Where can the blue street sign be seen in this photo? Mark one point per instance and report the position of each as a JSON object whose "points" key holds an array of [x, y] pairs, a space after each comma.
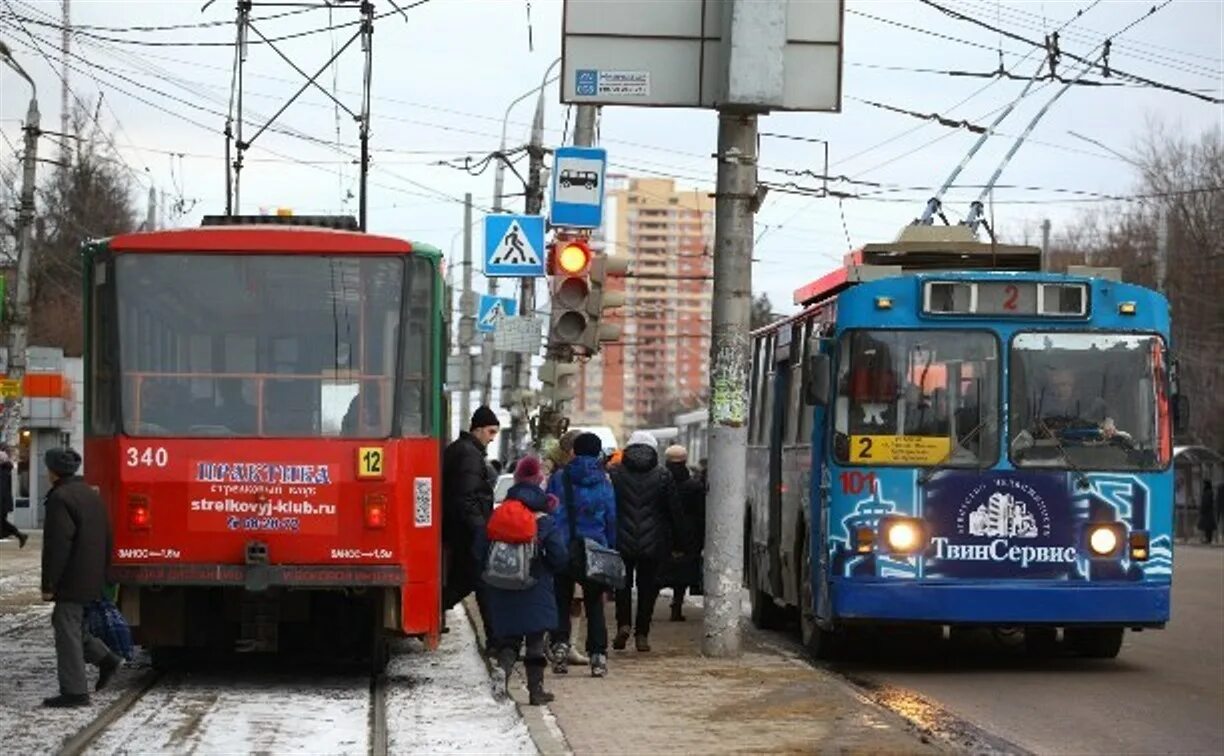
{"points": [[492, 309], [578, 187], [514, 246], [586, 82]]}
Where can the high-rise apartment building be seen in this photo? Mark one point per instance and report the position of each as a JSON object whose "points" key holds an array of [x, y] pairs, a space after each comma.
{"points": [[660, 366]]}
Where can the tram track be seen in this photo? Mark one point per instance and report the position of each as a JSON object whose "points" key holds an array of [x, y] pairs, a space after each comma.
{"points": [[79, 742], [378, 715]]}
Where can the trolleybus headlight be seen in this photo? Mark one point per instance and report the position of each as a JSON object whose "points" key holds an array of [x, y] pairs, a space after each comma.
{"points": [[904, 535], [1103, 540], [1139, 547]]}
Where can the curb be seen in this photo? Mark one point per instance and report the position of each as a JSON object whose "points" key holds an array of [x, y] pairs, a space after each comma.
{"points": [[542, 726]]}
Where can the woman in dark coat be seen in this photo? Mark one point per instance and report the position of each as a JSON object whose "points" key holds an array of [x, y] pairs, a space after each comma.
{"points": [[683, 571], [527, 615], [1207, 513]]}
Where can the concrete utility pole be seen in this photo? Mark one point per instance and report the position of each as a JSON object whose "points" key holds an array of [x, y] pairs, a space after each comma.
{"points": [[151, 213], [19, 322], [1163, 223], [1045, 244], [467, 323], [735, 202]]}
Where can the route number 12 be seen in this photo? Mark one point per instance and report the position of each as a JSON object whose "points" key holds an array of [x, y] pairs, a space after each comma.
{"points": [[371, 462]]}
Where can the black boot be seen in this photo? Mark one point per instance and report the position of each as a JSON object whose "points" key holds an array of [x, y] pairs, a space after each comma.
{"points": [[676, 613], [535, 683], [506, 657]]}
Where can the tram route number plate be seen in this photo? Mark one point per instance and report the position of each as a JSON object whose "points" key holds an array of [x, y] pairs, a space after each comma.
{"points": [[371, 462], [899, 450]]}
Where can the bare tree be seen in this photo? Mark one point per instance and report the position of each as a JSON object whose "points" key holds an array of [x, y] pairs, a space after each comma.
{"points": [[89, 198]]}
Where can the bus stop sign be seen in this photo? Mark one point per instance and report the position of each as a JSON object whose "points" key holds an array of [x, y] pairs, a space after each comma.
{"points": [[578, 187]]}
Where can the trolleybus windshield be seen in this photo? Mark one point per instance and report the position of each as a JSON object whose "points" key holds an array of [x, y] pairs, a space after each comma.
{"points": [[1087, 401], [917, 398], [271, 346]]}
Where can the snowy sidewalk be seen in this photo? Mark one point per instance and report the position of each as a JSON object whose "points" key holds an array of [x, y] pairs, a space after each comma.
{"points": [[674, 700], [437, 703]]}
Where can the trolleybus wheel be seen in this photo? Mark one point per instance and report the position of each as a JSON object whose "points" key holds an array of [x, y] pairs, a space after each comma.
{"points": [[1095, 642], [766, 615], [820, 642]]}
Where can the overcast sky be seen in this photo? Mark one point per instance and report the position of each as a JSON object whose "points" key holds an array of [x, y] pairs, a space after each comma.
{"points": [[444, 77]]}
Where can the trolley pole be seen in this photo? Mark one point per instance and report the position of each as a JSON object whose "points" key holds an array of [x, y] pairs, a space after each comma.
{"points": [[19, 323], [735, 202]]}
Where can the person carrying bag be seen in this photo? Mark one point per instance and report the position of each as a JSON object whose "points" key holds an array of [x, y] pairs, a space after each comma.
{"points": [[588, 514]]}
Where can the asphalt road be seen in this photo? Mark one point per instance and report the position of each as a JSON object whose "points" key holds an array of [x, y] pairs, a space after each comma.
{"points": [[1163, 694]]}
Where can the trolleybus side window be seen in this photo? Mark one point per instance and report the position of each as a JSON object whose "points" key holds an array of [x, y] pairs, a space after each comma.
{"points": [[811, 345], [754, 400], [917, 398], [794, 404], [1088, 401]]}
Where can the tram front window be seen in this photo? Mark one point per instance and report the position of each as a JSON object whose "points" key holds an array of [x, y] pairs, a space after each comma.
{"points": [[266, 346], [1086, 400], [917, 398]]}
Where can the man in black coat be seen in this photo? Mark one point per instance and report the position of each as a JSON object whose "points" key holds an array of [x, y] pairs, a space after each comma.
{"points": [[467, 502], [646, 521], [75, 556]]}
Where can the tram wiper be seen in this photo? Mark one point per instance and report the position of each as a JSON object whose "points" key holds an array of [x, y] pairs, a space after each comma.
{"points": [[1080, 478], [943, 463]]}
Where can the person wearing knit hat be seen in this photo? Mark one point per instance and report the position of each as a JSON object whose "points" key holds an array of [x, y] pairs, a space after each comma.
{"points": [[468, 484], [646, 513], [683, 569], [588, 510], [76, 551], [523, 617]]}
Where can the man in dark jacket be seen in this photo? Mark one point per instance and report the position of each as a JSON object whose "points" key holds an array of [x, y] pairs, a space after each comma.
{"points": [[75, 556], [467, 502], [6, 501], [684, 568], [646, 518]]}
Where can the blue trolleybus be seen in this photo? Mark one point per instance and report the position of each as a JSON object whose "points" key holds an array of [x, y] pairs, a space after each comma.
{"points": [[946, 435]]}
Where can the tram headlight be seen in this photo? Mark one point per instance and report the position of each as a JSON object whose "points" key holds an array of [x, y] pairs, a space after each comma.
{"points": [[1103, 540], [904, 535]]}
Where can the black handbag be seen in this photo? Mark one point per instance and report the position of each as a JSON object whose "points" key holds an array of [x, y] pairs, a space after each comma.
{"points": [[590, 560]]}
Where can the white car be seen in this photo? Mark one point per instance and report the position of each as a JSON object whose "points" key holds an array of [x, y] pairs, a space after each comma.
{"points": [[504, 482]]}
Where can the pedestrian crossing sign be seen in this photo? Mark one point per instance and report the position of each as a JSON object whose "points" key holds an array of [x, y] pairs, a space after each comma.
{"points": [[514, 246], [492, 310]]}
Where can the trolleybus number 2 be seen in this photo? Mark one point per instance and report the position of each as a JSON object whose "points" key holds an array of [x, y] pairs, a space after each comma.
{"points": [[1013, 296], [148, 457], [857, 482]]}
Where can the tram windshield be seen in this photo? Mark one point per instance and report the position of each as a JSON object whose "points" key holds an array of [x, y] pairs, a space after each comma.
{"points": [[917, 398], [1087, 400], [272, 346]]}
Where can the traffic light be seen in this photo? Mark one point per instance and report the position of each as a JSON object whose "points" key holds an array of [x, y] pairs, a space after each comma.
{"points": [[560, 381], [603, 299], [569, 266]]}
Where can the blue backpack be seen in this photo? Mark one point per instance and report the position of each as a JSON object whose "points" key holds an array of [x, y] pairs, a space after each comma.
{"points": [[106, 623]]}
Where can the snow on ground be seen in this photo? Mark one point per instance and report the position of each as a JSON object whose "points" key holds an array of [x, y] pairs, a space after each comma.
{"points": [[441, 702], [238, 710]]}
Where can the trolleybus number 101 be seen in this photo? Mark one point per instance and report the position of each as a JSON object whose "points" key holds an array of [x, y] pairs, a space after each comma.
{"points": [[857, 482], [148, 457]]}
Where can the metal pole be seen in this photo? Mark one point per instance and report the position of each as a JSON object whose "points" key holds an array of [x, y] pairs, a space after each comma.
{"points": [[20, 323], [467, 323], [367, 43], [1163, 227], [151, 213], [729, 360]]}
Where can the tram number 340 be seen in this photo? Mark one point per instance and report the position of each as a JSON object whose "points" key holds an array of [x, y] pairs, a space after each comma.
{"points": [[147, 457]]}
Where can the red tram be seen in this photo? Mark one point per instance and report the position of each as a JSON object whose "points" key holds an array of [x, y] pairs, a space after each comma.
{"points": [[264, 418]]}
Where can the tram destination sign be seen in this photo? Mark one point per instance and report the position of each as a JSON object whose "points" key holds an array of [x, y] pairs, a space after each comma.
{"points": [[1006, 298]]}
